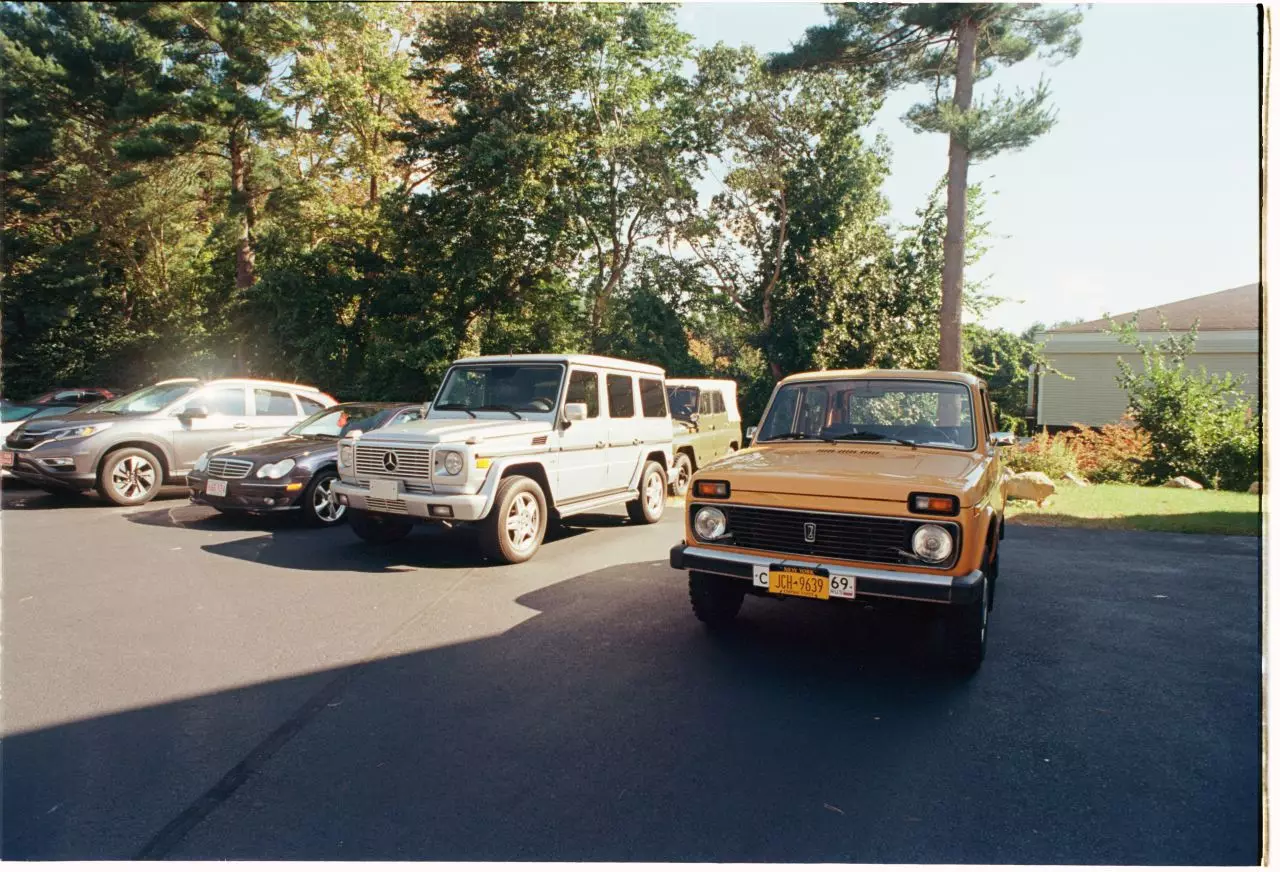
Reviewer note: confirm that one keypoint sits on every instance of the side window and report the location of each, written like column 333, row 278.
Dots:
column 222, row 401
column 653, row 399
column 704, row 403
column 309, row 406
column 717, row 403
column 988, row 414
column 622, row 401
column 269, row 402
column 584, row 387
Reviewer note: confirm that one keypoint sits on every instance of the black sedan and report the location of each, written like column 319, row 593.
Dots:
column 293, row 471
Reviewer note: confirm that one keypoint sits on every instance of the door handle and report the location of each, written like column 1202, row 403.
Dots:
column 240, row 425
column 599, row 445
column 635, row 441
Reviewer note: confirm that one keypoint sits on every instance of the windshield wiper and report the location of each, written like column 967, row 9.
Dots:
column 879, row 437
column 496, row 407
column 455, row 407
column 790, row 436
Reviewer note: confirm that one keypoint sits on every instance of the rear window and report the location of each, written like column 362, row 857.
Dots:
column 622, row 401
column 717, row 403
column 309, row 406
column 653, row 400
column 269, row 402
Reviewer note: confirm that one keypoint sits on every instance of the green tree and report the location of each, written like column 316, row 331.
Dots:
column 948, row 45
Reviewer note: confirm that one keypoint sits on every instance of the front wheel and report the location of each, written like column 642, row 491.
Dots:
column 320, row 506
column 716, row 600
column 130, row 477
column 649, row 507
column 378, row 528
column 517, row 523
column 966, row 632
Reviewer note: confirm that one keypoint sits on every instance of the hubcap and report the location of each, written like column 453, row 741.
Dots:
column 653, row 493
column 522, row 522
column 326, row 504
column 133, row 477
column 683, row 474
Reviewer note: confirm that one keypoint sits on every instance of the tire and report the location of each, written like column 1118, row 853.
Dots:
column 966, row 633
column 130, row 477
column 681, row 473
column 652, row 502
column 320, row 507
column 378, row 528
column 716, row 600
column 517, row 523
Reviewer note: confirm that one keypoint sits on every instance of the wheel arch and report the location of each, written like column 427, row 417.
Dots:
column 535, row 471
column 166, row 464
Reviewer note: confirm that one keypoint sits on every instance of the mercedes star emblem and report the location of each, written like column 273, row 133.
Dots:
column 390, row 461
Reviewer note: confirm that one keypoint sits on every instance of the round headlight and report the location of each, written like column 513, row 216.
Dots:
column 452, row 462
column 276, row 470
column 932, row 543
column 344, row 455
column 202, row 462
column 709, row 523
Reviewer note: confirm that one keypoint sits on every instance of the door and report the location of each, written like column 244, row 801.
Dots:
column 624, row 434
column 227, row 421
column 584, row 445
column 722, row 434
column 274, row 411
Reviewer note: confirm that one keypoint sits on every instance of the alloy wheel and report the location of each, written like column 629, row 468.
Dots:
column 522, row 522
column 133, row 477
column 325, row 502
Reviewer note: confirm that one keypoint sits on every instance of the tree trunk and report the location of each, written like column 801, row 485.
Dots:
column 240, row 204
column 949, row 347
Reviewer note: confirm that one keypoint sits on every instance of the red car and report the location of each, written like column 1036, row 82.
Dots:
column 76, row 396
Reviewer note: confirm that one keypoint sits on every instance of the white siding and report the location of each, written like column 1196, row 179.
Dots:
column 1094, row 398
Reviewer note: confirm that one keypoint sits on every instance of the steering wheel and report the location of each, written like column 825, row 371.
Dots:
column 542, row 404
column 926, row 430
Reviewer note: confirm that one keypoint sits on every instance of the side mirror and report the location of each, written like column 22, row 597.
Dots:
column 192, row 412
column 751, row 435
column 575, row 411
column 1004, row 439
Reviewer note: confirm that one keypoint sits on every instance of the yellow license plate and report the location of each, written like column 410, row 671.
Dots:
column 799, row 582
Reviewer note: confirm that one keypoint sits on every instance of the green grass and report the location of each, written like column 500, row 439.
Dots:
column 1130, row 507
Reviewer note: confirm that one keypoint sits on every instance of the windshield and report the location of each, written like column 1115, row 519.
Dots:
column 10, row 413
column 151, row 399
column 683, row 402
column 501, row 387
column 341, row 421
column 921, row 412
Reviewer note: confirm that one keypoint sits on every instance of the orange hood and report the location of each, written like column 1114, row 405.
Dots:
column 857, row 471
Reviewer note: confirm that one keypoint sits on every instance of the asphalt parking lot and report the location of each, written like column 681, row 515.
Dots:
column 182, row 685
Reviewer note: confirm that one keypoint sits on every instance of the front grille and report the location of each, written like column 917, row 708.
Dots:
column 391, row 462
column 23, row 441
column 857, row 538
column 229, row 467
column 420, row 488
column 393, row 507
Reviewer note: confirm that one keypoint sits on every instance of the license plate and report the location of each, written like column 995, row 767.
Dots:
column 6, row 458
column 383, row 489
column 215, row 488
column 799, row 582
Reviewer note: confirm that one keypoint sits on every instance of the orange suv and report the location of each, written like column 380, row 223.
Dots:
column 859, row 484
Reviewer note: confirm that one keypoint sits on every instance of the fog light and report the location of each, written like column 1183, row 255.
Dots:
column 441, row 511
column 269, row 501
column 59, row 462
column 342, row 499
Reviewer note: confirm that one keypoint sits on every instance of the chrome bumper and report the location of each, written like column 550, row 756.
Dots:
column 464, row 507
column 894, row 583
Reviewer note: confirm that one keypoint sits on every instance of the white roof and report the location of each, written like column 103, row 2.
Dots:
column 581, row 359
column 242, row 381
column 703, row 382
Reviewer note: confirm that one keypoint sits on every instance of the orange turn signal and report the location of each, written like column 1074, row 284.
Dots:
column 934, row 504
column 716, row 490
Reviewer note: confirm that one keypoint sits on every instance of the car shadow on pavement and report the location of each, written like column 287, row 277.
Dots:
column 26, row 498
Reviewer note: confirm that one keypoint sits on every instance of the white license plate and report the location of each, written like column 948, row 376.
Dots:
column 383, row 489
column 215, row 488
column 841, row 586
column 6, row 459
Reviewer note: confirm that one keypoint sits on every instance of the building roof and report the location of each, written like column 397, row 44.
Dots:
column 1234, row 309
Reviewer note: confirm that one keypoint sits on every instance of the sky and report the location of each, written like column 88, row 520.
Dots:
column 1144, row 192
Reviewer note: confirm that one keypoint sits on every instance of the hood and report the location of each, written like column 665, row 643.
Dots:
column 78, row 418
column 280, row 448
column 872, row 472
column 436, row 430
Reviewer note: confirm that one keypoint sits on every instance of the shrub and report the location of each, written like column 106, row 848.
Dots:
column 1051, row 455
column 1114, row 453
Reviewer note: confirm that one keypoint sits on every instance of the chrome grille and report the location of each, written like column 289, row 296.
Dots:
column 860, row 538
column 409, row 462
column 391, row 507
column 418, row 488
column 229, row 467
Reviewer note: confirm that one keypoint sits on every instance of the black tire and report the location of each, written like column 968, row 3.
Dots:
column 681, row 473
column 966, row 633
column 716, row 600
column 377, row 527
column 130, row 477
column 319, row 507
column 652, row 502
column 518, row 497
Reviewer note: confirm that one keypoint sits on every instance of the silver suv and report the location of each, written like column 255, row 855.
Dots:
column 128, row 447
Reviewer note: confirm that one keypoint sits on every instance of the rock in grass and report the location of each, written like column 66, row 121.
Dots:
column 1029, row 486
column 1076, row 480
column 1255, row 488
column 1183, row 482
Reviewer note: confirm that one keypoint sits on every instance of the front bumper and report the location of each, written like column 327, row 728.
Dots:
column 463, row 507
column 249, row 496
column 891, row 583
column 27, row 467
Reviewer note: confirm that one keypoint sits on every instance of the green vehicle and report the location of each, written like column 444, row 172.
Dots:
column 706, row 425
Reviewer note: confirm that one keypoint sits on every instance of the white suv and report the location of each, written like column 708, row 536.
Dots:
column 508, row 442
